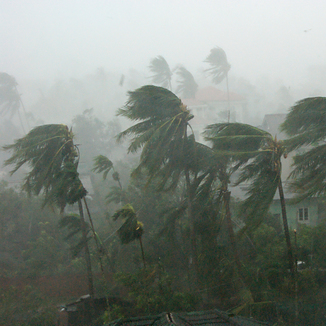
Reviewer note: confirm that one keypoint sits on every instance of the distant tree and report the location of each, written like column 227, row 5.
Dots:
column 95, row 137
column 10, row 100
column 187, row 84
column 131, row 229
column 53, row 159
column 219, row 69
column 161, row 72
column 9, row 96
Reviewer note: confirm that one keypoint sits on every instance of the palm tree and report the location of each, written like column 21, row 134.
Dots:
column 10, row 100
column 305, row 124
column 131, row 229
column 219, row 69
column 53, row 159
column 168, row 152
column 161, row 72
column 187, row 84
column 264, row 173
column 233, row 145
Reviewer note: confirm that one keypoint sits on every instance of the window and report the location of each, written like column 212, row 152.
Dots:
column 303, row 214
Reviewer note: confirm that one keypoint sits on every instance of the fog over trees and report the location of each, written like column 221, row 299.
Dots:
column 162, row 157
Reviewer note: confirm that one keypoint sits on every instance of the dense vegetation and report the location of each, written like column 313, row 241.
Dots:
column 161, row 229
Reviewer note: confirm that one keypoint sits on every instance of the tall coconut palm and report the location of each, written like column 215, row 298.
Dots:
column 219, row 69
column 10, row 100
column 264, row 172
column 233, row 144
column 168, row 152
column 52, row 158
column 305, row 124
column 161, row 72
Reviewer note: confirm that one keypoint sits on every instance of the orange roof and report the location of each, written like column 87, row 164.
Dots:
column 210, row 94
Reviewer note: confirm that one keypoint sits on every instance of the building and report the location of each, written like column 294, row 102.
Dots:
column 211, row 105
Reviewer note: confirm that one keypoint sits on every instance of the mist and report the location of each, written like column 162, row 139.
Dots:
column 70, row 56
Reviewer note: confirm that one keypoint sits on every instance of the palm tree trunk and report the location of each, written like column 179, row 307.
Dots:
column 193, row 243
column 286, row 229
column 142, row 251
column 228, row 92
column 226, row 199
column 87, row 254
column 99, row 248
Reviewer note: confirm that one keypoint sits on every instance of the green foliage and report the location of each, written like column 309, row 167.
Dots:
column 153, row 291
column 264, row 173
column 161, row 72
column 94, row 136
column 73, row 223
column 9, row 96
column 25, row 307
column 42, row 255
column 53, row 159
column 305, row 123
column 102, row 164
column 131, row 229
column 187, row 84
column 162, row 132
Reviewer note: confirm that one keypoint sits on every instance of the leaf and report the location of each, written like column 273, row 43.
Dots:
column 53, row 159
column 9, row 96
column 102, row 164
column 187, row 85
column 161, row 72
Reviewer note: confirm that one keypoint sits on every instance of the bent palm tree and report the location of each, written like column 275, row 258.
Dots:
column 10, row 100
column 161, row 72
column 305, row 123
column 187, row 84
column 53, row 159
column 131, row 229
column 233, row 144
column 219, row 69
column 264, row 172
column 162, row 133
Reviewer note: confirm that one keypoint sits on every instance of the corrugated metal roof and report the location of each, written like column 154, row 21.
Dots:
column 211, row 317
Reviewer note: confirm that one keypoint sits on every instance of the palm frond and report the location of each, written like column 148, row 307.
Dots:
column 264, row 177
column 161, row 72
column 102, row 164
column 309, row 173
column 187, row 84
column 151, row 102
column 219, row 65
column 131, row 229
column 9, row 96
column 53, row 159
column 305, row 123
column 308, row 114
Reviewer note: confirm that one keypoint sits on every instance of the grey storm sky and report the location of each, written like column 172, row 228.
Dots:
column 62, row 38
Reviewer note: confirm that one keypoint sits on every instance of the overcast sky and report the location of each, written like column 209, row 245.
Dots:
column 61, row 38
